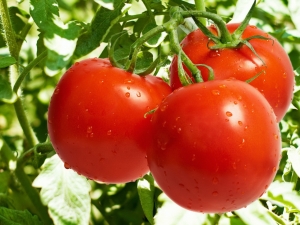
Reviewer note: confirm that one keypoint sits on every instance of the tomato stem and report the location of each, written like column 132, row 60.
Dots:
column 189, row 64
column 200, row 6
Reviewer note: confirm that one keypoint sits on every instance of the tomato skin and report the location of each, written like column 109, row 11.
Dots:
column 277, row 81
column 216, row 146
column 96, row 120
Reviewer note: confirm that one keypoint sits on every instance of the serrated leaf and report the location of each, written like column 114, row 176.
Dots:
column 6, row 93
column 255, row 213
column 283, row 194
column 64, row 192
column 17, row 217
column 146, row 193
column 103, row 21
column 59, row 38
column 7, row 61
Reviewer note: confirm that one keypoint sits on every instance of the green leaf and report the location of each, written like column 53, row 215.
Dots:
column 294, row 8
column 6, row 93
column 17, row 217
column 103, row 21
column 109, row 4
column 283, row 194
column 7, row 61
column 144, row 60
column 64, row 192
column 59, row 38
column 172, row 214
column 4, row 184
column 241, row 10
column 294, row 158
column 255, row 213
column 146, row 193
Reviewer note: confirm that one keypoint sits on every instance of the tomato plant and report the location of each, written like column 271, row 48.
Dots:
column 271, row 63
column 96, row 120
column 216, row 146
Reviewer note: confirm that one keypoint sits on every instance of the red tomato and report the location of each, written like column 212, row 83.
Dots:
column 216, row 146
column 276, row 84
column 96, row 120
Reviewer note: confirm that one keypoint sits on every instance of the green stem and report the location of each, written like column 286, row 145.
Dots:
column 24, row 33
column 225, row 34
column 6, row 152
column 27, row 129
column 189, row 64
column 33, row 194
column 9, row 33
column 32, row 64
column 200, row 6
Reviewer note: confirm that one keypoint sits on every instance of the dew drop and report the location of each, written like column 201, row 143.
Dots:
column 89, row 129
column 128, row 81
column 222, row 86
column 215, row 193
column 274, row 169
column 56, row 91
column 128, row 88
column 215, row 180
column 240, row 123
column 109, row 132
column 215, row 92
column 138, row 94
column 284, row 75
column 178, row 130
column 227, row 120
column 276, row 136
column 229, row 114
column 246, row 128
column 239, row 98
column 164, row 123
column 127, row 94
column 234, row 165
column 163, row 108
column 67, row 166
column 235, row 102
column 194, row 157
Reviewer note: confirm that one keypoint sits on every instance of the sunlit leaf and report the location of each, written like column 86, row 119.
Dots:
column 64, row 192
column 255, row 213
column 283, row 194
column 241, row 10
column 294, row 7
column 59, row 38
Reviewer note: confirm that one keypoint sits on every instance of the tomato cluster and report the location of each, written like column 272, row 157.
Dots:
column 211, row 147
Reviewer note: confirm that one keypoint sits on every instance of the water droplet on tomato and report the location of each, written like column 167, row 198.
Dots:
column 215, row 92
column 92, row 135
column 89, row 129
column 194, row 157
column 235, row 102
column 240, row 123
column 178, row 130
column 227, row 120
column 229, row 114
column 67, row 166
column 109, row 132
column 274, row 169
column 127, row 94
column 56, row 91
column 138, row 94
column 276, row 136
column 163, row 108
column 234, row 165
column 177, row 118
column 222, row 86
column 284, row 75
column 215, row 180
column 215, row 193
column 246, row 128
column 129, row 81
column 164, row 123
column 128, row 88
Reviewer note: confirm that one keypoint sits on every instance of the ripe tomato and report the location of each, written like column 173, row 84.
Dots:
column 96, row 120
column 216, row 146
column 277, row 81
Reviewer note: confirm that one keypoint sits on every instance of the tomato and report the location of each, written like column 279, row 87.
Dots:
column 96, row 120
column 276, row 79
column 216, row 146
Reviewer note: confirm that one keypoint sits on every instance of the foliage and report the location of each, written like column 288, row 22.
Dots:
column 41, row 39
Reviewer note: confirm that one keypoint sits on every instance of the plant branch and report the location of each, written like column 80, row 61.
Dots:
column 27, row 69
column 23, row 120
column 200, row 6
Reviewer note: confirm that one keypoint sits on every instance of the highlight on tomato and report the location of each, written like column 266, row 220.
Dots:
column 96, row 120
column 216, row 146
